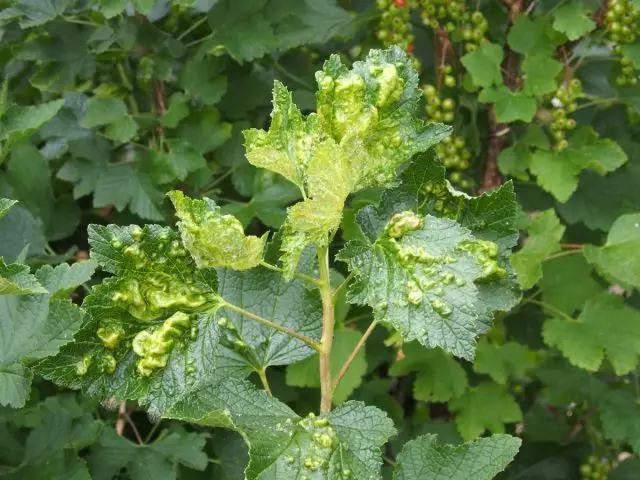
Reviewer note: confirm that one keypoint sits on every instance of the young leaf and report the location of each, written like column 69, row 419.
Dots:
column 509, row 106
column 545, row 234
column 342, row 444
column 572, row 20
column 485, row 407
column 501, row 362
column 484, row 65
column 15, row 279
column 620, row 256
column 540, row 73
column 31, row 327
column 605, row 326
column 531, row 37
column 5, row 205
column 481, row 459
column 112, row 453
column 557, row 172
column 439, row 377
column 212, row 239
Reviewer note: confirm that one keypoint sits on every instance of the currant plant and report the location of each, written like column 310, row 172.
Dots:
column 188, row 313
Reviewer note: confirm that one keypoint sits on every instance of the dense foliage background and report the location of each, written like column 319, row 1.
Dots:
column 107, row 105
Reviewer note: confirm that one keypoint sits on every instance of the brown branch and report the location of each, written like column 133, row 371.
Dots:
column 159, row 101
column 120, row 423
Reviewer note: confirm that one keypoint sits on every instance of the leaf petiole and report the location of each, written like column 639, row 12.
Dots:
column 276, row 326
column 301, row 276
column 353, row 354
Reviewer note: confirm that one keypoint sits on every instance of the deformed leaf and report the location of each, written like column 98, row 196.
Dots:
column 213, row 239
column 606, row 326
column 482, row 459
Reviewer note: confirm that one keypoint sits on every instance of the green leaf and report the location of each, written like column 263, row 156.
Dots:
column 103, row 111
column 202, row 80
column 159, row 459
column 64, row 279
column 567, row 283
column 572, row 20
column 212, row 239
column 557, row 172
column 158, row 328
column 122, row 130
column 632, row 52
column 60, row 429
column 619, row 257
column 32, row 13
column 484, row 65
column 31, row 327
column 485, row 407
column 501, row 362
column 20, row 122
column 19, row 229
column 418, row 277
column 565, row 383
column 531, row 37
column 342, row 444
column 606, row 326
column 509, row 106
column 620, row 416
column 5, row 205
column 306, row 373
column 15, row 279
column 439, row 377
column 545, row 233
column 540, row 74
column 481, row 459
column 178, row 110
column 363, row 131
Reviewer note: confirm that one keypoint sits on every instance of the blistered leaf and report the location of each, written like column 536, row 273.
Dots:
column 485, row 407
column 158, row 328
column 481, row 459
column 343, row 444
column 606, row 326
column 213, row 239
column 419, row 277
column 619, row 257
column 545, row 233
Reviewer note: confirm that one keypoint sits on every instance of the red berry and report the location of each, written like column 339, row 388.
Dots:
column 410, row 48
column 400, row 3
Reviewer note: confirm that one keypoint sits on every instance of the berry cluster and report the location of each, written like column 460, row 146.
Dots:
column 595, row 468
column 452, row 17
column 454, row 155
column 564, row 103
column 438, row 110
column 622, row 22
column 395, row 23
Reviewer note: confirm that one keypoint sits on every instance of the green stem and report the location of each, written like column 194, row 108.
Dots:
column 300, row 81
column 276, row 326
column 192, row 27
column 563, row 253
column 353, row 354
column 552, row 309
column 301, row 276
column 328, row 323
column 343, row 284
column 262, row 373
column 600, row 101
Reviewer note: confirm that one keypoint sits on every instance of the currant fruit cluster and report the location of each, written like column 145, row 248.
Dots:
column 564, row 103
column 454, row 155
column 595, row 468
column 395, row 23
column 452, row 16
column 622, row 23
column 438, row 109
